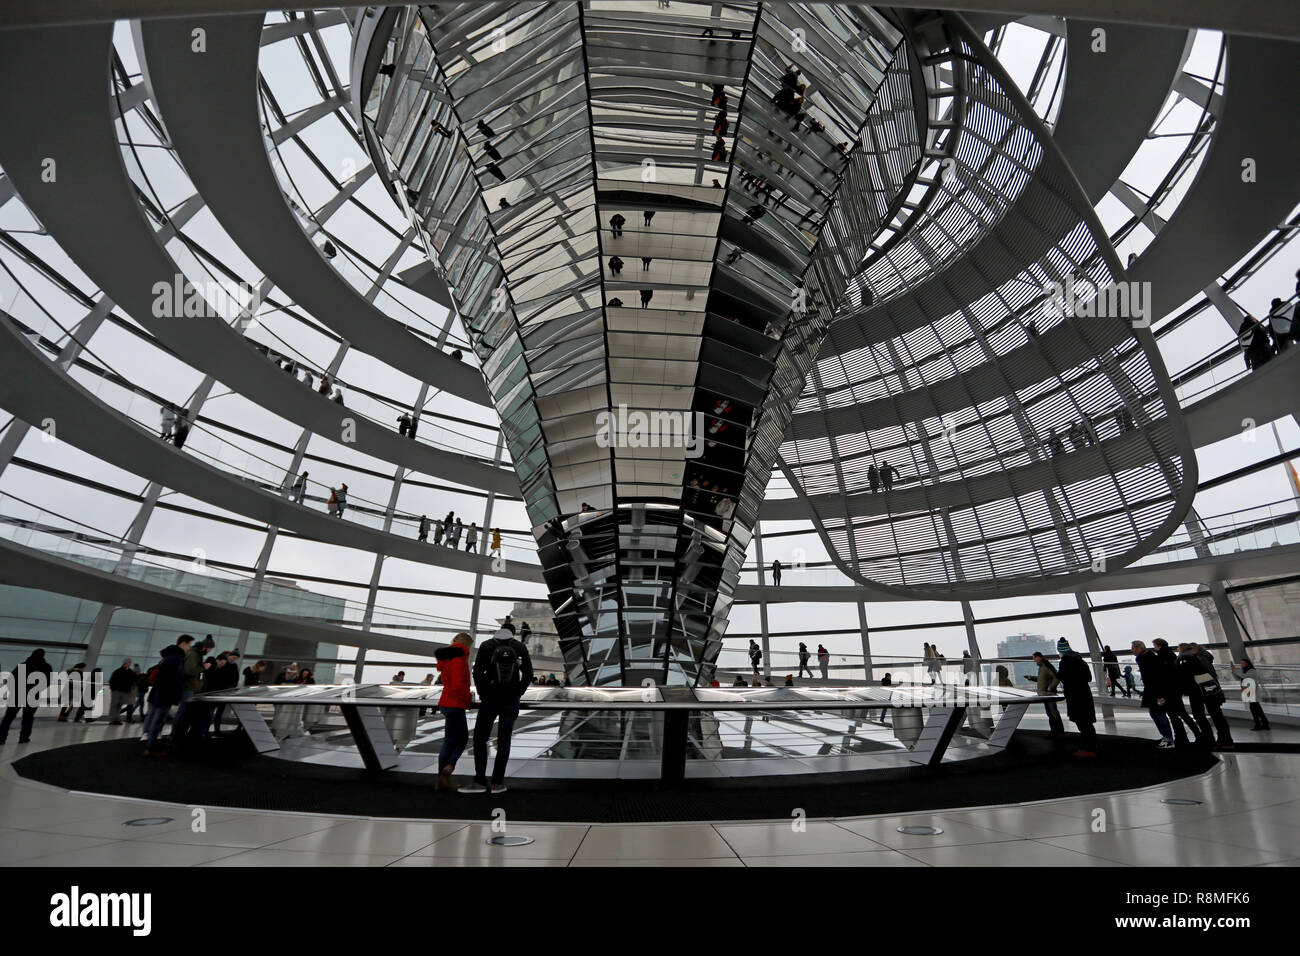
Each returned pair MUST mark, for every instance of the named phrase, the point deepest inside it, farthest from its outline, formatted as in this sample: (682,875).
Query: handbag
(1208,686)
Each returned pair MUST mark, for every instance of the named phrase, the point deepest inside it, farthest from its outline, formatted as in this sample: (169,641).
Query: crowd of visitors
(502,670)
(447,532)
(1167,677)
(1260,341)
(183,670)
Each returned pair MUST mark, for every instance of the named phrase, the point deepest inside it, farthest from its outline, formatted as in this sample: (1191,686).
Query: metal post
(372,593)
(1228,618)
(99,630)
(485,536)
(866,642)
(949,730)
(1094,640)
(972,642)
(762,600)
(273,531)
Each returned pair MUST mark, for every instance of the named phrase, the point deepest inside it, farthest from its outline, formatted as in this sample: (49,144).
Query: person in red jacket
(453,667)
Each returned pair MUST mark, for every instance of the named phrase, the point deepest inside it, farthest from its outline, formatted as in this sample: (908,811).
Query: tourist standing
(502,672)
(30,677)
(121,691)
(167,678)
(1046,681)
(1075,679)
(453,671)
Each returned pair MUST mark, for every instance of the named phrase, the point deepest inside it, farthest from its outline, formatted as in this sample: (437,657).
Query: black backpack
(503,666)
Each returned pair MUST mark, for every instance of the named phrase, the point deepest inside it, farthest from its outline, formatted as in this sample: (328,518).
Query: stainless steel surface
(384,696)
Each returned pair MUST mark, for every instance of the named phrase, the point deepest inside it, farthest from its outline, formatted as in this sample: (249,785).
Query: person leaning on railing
(1250,693)
(1048,681)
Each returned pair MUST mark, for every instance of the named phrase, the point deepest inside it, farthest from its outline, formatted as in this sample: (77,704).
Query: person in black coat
(141,691)
(1112,671)
(224,676)
(167,680)
(1075,678)
(253,675)
(31,677)
(1173,705)
(1156,688)
(121,685)
(1256,342)
(1205,694)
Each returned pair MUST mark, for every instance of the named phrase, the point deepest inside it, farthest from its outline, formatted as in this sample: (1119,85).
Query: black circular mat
(224,774)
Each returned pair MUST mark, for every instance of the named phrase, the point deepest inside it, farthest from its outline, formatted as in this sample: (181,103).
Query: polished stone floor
(1248,815)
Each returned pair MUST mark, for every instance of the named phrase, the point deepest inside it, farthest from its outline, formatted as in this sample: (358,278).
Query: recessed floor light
(508,840)
(920,831)
(1181,802)
(147,821)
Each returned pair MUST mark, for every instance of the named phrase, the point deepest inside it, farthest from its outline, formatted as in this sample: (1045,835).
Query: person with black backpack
(502,671)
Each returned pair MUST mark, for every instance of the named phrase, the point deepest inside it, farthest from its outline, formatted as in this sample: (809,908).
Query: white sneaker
(1165,744)
(472,787)
(498,788)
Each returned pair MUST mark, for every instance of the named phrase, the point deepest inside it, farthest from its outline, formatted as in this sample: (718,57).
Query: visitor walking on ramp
(888,473)
(167,421)
(298,488)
